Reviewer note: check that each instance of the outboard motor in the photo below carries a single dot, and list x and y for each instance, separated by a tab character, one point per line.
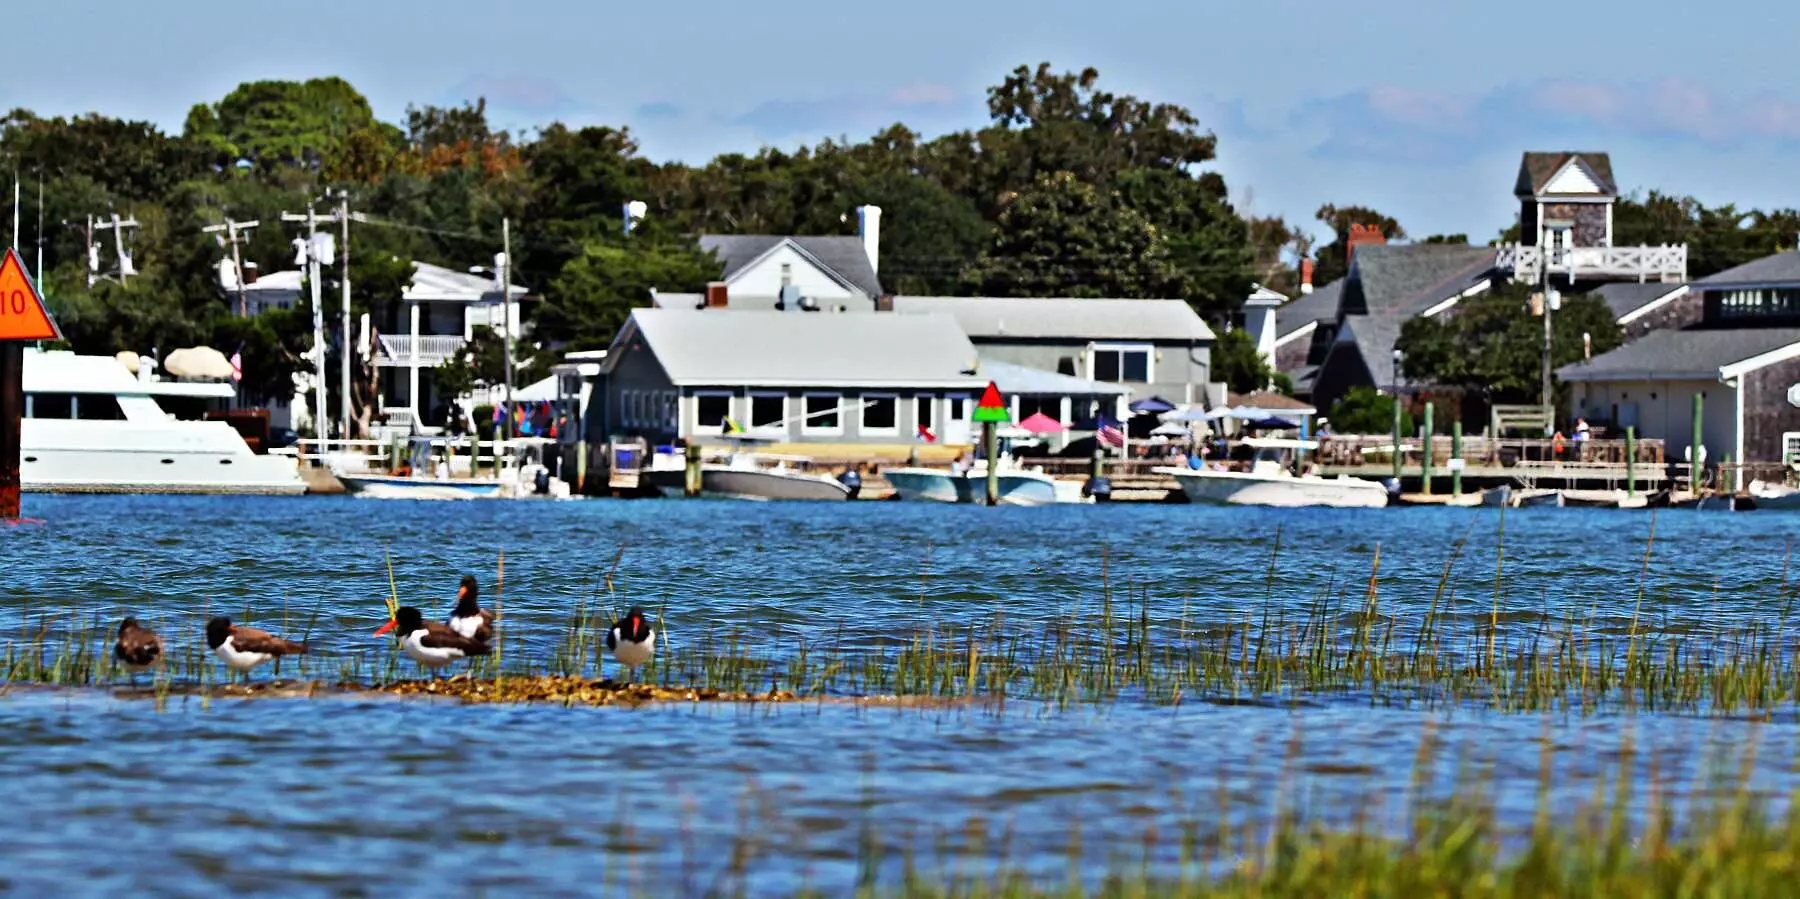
541	483
851	479
1393	488
1099	487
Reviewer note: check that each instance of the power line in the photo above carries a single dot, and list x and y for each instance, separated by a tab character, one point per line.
235	231
118	226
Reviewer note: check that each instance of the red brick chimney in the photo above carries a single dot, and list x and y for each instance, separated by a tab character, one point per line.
1361	235
1306	273
717	296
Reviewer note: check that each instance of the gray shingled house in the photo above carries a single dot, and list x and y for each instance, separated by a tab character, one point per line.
825	273
1742	357
1149	347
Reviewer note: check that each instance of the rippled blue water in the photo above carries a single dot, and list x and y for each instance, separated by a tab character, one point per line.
360	795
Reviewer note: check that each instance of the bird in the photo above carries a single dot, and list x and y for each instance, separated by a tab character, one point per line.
469	618
429	643
632	640
243	648
138	647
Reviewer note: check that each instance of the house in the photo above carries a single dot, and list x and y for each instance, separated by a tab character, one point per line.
1343	336
1742	358
692	374
1258	316
829	273
434	317
1149	347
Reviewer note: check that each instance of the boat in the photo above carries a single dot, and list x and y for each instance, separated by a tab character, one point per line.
1537	498
91	426
1497	496
1018	485
747	475
523	474
1269	482
939	485
1777	497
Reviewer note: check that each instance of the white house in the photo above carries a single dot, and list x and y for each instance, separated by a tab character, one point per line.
433	319
826	273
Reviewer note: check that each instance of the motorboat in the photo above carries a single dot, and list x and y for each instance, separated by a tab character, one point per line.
1018	485
1269	481
747	475
1778	497
91	426
430	476
939	485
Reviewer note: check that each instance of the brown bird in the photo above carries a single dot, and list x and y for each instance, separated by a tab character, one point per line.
429	643
138	647
244	648
469	618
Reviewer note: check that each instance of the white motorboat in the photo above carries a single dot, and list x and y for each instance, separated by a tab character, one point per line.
1018	485
940	485
90	426
523	475
746	475
1779	497
1270	483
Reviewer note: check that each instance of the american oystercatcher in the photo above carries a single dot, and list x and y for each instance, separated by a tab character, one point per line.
429	643
243	648
469	618
138	647
632	640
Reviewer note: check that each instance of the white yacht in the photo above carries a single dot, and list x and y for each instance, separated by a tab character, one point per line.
746	475
1269	483
92	427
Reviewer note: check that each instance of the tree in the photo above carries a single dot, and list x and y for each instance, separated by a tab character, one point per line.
1236	361
1365	410
1455	239
1334	259
1207	241
594	294
270	124
1491	343
1063	237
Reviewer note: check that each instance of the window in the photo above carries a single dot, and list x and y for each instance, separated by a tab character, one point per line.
822	414
923	407
52	405
711	410
881	414
1113	364
1031	405
98	407
768	410
959	408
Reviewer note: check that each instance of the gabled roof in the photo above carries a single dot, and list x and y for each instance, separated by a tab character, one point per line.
1629	299
838	255
1373	337
1269	399
733	347
1065	318
1015	379
1682	355
1537	170
1319	306
435	282
1779	269
1262	296
1408	279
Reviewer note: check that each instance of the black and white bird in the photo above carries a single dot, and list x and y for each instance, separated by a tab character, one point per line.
469	618
243	648
138	647
429	643
632	640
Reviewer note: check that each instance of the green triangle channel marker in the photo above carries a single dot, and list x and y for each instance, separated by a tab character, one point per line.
991	409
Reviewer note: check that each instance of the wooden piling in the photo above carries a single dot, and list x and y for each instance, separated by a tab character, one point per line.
1630	461
691	479
1397	454
1425	469
990	442
1456	453
1697	448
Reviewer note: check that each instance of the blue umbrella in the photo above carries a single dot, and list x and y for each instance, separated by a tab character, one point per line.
1155	405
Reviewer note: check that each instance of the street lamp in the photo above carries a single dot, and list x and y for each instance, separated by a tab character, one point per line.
1399	357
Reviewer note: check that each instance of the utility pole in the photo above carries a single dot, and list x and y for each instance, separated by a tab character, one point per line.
344	217
504	270
15	243
40	234
1550	303
234	231
310	256
117	226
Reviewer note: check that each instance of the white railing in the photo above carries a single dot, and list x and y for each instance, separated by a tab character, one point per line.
396	349
1658	263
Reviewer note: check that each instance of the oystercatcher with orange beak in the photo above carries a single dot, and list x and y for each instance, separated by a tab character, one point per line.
632	640
138	647
243	648
429	643
469	618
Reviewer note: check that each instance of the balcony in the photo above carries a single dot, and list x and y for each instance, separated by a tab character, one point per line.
1664	263
434	349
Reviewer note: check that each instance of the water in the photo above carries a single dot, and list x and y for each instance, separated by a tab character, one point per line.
357	795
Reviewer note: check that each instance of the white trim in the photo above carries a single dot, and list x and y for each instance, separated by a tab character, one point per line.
1737	390
776	426
1680	290
836	385
1779	354
1299	332
1479	288
1148	349
810	259
1587	171
862	414
807	414
698	426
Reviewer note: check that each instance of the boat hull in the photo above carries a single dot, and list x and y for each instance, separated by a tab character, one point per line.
76	456
929	485
1230	488
389	487
755	484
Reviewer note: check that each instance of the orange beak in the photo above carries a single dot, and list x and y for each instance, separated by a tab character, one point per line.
387	627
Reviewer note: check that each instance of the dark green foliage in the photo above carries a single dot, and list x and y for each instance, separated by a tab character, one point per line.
1494	346
1364	410
596	291
1334	257
1236	362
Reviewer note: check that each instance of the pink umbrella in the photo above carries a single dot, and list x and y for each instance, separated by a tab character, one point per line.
1039	423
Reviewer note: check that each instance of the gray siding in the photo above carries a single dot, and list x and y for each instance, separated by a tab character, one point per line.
636	399
1179	372
851	424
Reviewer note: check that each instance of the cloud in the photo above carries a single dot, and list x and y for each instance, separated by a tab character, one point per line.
518	93
917	104
661	109
1404	126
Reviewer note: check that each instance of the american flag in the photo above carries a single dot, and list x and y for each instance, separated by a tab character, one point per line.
926	435
237	364
1110	435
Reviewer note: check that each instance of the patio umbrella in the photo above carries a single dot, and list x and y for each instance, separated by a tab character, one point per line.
1039	423
1170	429
1270	423
1152	404
1197	413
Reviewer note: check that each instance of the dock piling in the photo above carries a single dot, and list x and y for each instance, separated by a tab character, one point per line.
1425	465
691	475
1697	448
990	443
1456	454
1630	460
1397	455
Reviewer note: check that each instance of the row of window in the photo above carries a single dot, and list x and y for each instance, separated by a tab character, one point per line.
1755	302
656	410
87	406
823	413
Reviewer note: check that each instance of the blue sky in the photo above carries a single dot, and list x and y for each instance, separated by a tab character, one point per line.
1417	107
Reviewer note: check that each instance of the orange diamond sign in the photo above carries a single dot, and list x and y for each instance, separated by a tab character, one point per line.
22	312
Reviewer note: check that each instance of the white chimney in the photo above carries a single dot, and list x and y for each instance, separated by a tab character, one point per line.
868	225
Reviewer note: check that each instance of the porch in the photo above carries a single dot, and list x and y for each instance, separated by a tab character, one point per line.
1665	263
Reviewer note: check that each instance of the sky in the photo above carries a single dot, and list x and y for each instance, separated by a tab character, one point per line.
1419	108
